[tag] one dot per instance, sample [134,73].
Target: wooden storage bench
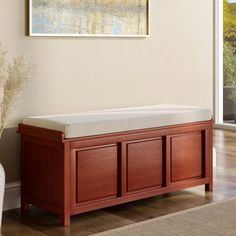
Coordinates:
[76,163]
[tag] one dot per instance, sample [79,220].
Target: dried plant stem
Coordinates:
[13,78]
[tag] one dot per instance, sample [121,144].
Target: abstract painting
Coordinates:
[89,18]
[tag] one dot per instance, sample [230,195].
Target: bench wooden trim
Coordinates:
[53,167]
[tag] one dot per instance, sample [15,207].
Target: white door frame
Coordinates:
[218,67]
[218,29]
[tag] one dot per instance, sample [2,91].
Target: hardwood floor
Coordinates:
[41,223]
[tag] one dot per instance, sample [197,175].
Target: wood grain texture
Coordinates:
[96,173]
[123,171]
[144,164]
[46,134]
[208,172]
[43,174]
[186,157]
[72,176]
[41,222]
[66,190]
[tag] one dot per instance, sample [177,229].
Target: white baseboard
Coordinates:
[225,126]
[12,196]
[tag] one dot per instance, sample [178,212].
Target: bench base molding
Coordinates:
[72,176]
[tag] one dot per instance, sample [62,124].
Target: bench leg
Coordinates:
[24,206]
[209,187]
[65,219]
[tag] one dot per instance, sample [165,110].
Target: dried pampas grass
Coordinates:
[13,78]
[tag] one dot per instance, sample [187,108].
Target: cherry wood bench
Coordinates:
[69,175]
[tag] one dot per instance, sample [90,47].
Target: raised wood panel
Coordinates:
[144,164]
[96,173]
[186,157]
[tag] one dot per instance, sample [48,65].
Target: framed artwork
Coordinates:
[99,18]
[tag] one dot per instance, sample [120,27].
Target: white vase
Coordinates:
[2,189]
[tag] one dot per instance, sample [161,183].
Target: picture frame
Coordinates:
[43,22]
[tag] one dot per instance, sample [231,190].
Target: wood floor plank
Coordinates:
[11,227]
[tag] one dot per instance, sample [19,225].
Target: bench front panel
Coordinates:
[187,156]
[138,166]
[144,164]
[84,174]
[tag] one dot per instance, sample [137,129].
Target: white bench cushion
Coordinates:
[118,120]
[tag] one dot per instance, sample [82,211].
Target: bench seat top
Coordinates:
[118,120]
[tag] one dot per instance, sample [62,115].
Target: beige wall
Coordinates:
[174,65]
